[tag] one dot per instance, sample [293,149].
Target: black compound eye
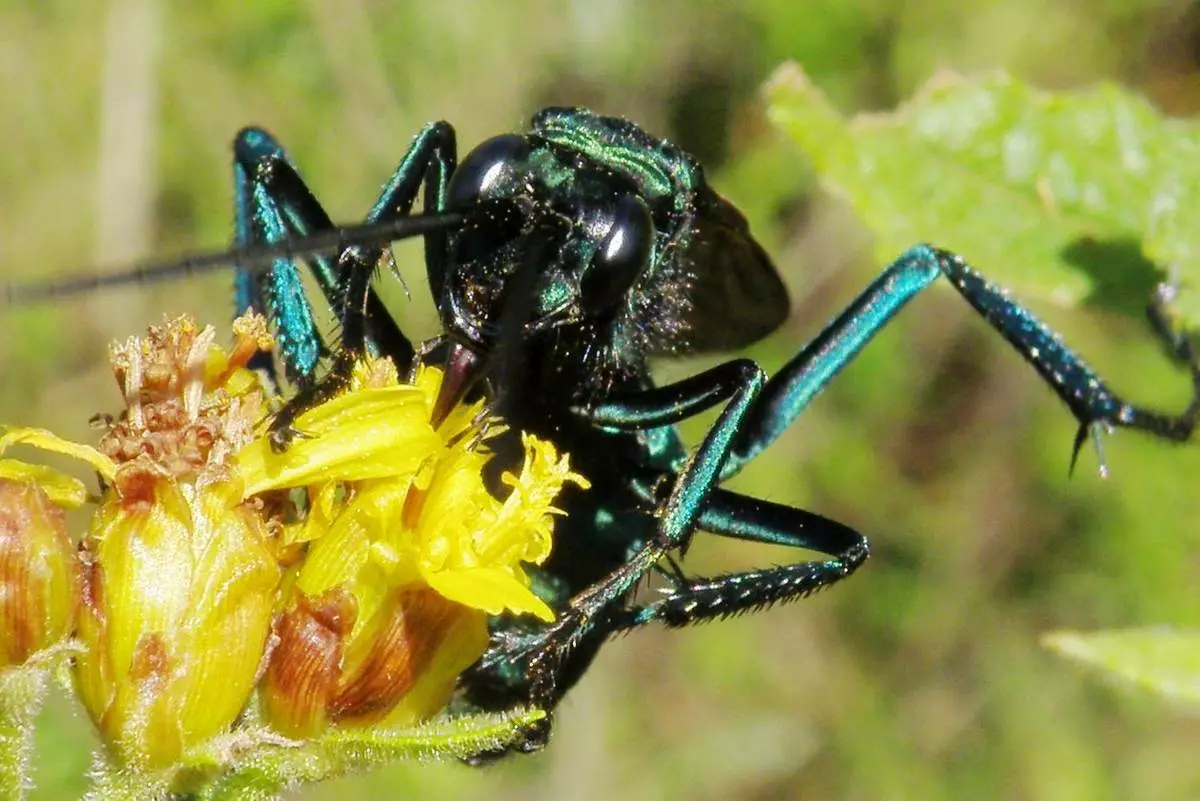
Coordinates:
[485,167]
[621,257]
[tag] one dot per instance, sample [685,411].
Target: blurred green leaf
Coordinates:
[1079,197]
[1162,660]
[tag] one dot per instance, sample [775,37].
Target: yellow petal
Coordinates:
[338,556]
[324,503]
[457,509]
[491,589]
[370,433]
[146,569]
[41,438]
[233,583]
[61,489]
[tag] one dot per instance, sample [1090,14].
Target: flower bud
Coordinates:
[178,596]
[39,574]
[180,575]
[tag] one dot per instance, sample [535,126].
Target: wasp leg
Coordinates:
[1090,400]
[431,160]
[548,658]
[266,217]
[281,205]
[1180,345]
[690,600]
[544,654]
[757,414]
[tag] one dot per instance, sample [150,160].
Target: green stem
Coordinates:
[21,692]
[256,764]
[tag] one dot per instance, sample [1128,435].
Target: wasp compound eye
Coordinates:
[623,253]
[486,169]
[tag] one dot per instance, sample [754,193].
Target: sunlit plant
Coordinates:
[237,617]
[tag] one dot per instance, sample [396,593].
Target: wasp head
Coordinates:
[547,247]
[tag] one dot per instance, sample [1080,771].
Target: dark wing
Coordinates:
[734,295]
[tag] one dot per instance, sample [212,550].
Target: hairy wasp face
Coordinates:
[542,246]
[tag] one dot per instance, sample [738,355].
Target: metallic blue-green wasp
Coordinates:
[560,261]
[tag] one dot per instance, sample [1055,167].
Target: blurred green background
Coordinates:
[922,677]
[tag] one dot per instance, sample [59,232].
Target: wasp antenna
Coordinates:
[254,257]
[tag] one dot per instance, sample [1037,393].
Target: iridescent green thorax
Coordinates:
[662,172]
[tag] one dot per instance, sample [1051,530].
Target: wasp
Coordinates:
[561,260]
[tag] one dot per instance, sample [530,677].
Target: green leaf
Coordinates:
[1162,660]
[1088,196]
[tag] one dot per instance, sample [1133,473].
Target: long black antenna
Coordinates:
[327,242]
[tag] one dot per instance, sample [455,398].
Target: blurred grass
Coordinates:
[920,678]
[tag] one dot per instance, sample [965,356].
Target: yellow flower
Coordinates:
[390,603]
[180,573]
[396,550]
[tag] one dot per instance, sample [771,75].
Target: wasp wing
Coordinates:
[732,294]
